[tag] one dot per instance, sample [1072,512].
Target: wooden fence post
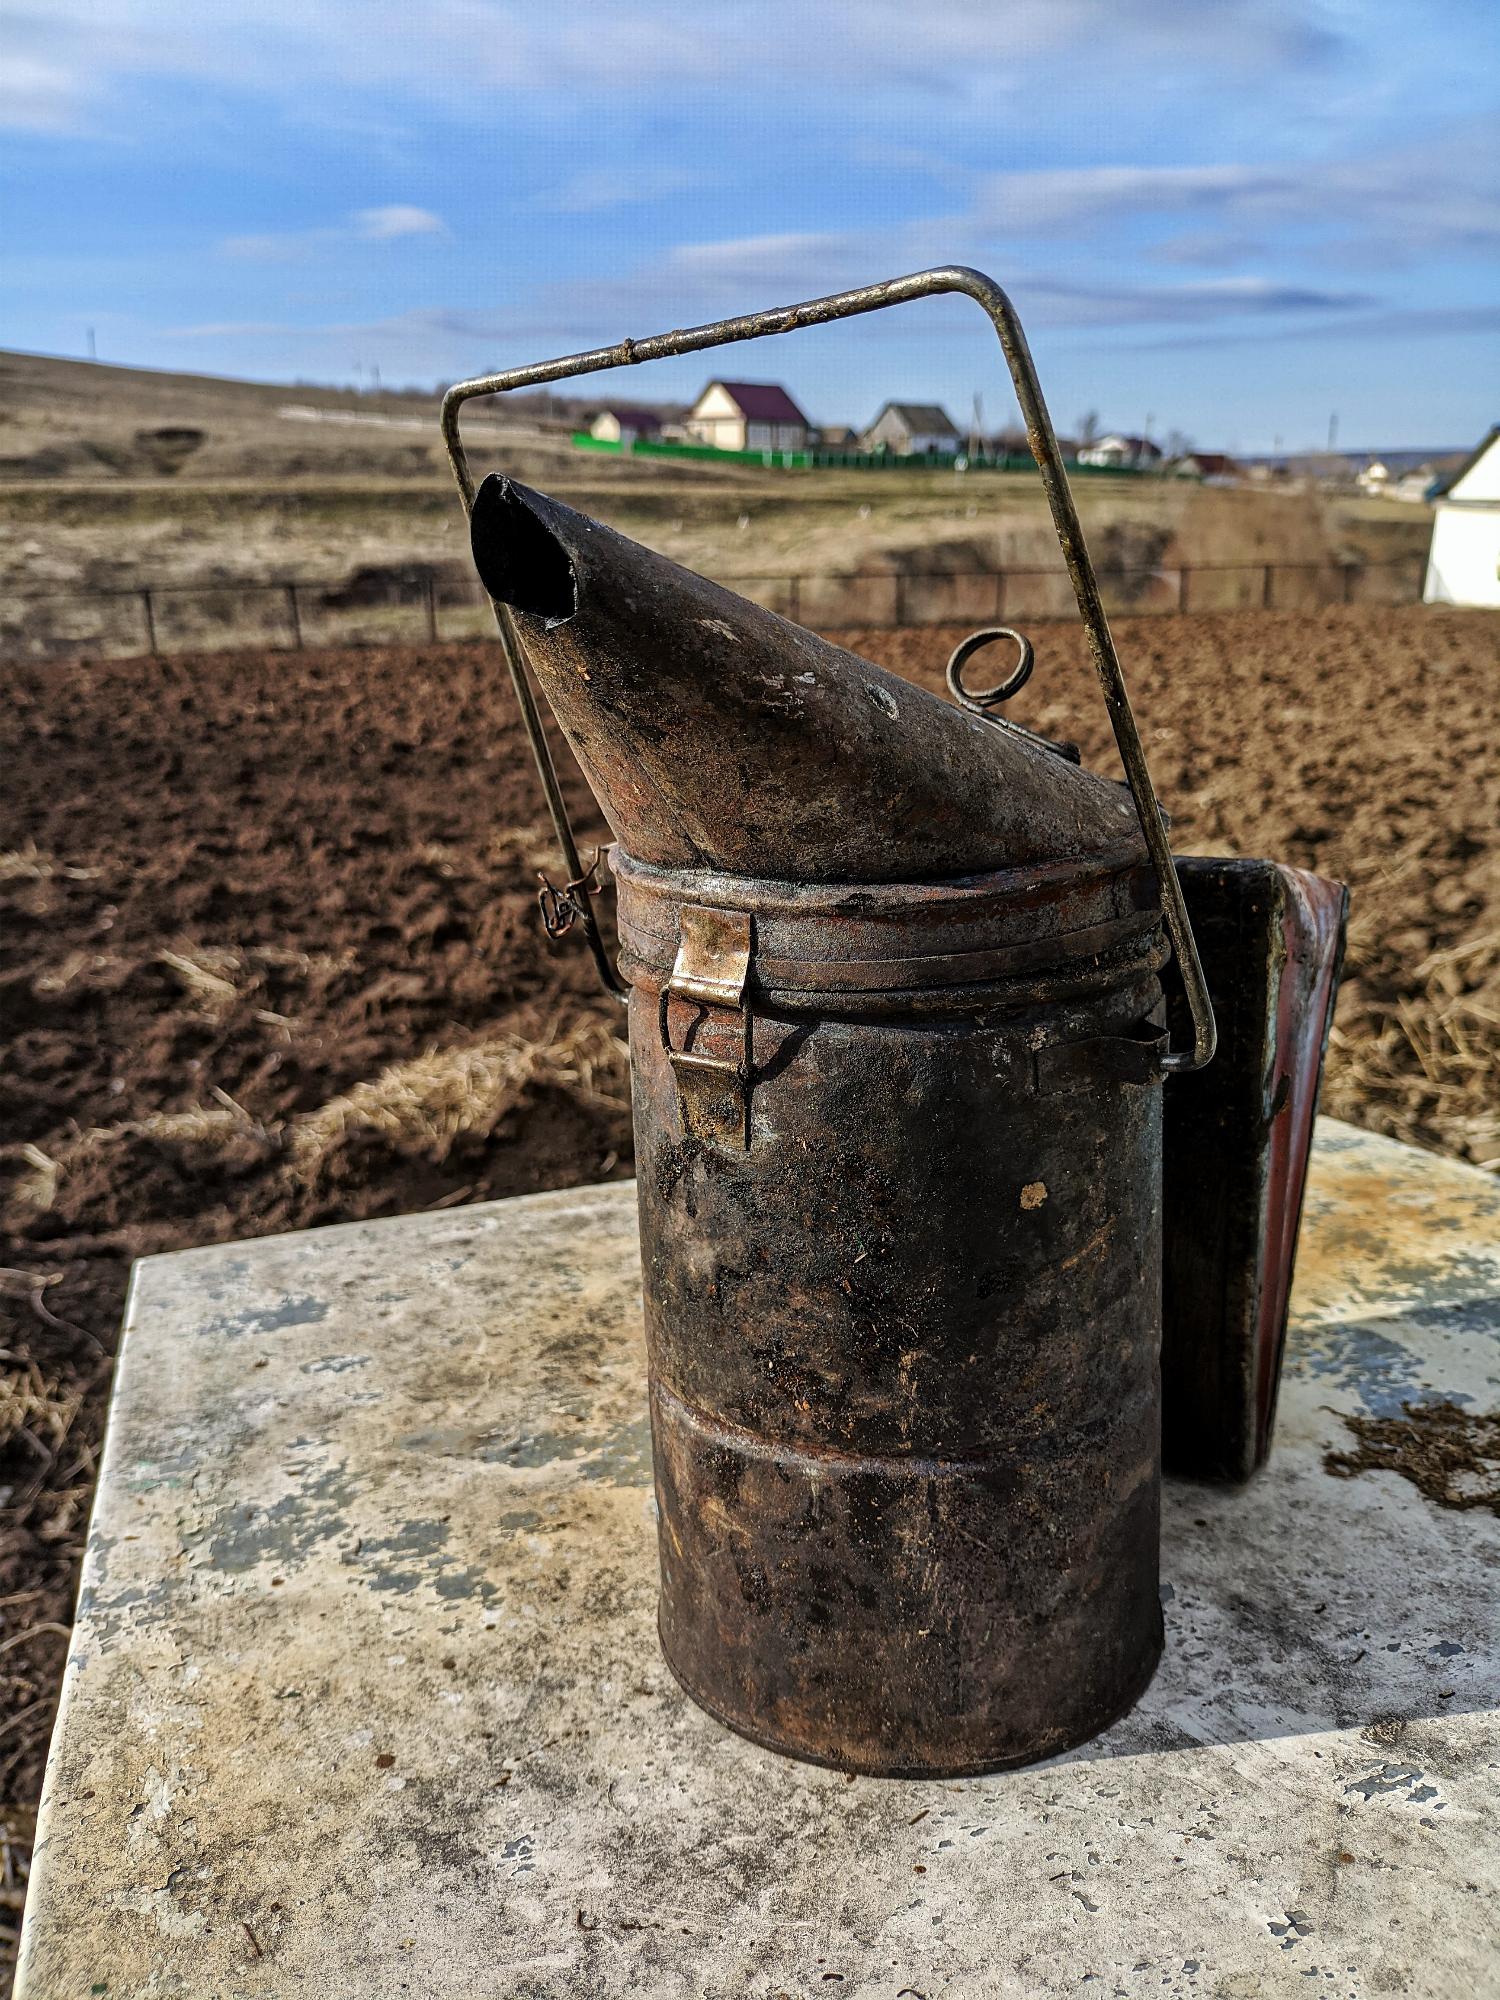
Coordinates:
[1265,587]
[1183,573]
[294,616]
[150,611]
[430,595]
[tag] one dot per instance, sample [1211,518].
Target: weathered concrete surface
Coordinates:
[365,1697]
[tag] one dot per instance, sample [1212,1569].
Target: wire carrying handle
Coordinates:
[953,278]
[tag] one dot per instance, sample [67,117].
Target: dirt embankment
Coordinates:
[270,959]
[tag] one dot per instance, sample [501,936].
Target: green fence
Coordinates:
[817,458]
[788,461]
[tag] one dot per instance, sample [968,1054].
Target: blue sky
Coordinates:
[1232,216]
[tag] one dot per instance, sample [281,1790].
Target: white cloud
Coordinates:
[267,248]
[1377,205]
[1401,323]
[709,280]
[384,225]
[221,329]
[593,190]
[70,58]
[38,94]
[1074,199]
[367,225]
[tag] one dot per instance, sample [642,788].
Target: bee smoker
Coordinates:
[897,1030]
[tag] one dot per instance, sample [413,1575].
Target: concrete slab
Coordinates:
[365,1698]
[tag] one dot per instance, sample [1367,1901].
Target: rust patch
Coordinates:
[1451,1455]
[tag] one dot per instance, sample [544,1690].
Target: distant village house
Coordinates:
[623,423]
[1375,478]
[1215,468]
[1463,566]
[1415,484]
[911,430]
[748,416]
[1119,450]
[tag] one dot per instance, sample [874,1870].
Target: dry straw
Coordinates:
[423,1106]
[433,1101]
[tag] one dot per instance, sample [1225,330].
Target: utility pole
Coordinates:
[93,351]
[1333,432]
[976,434]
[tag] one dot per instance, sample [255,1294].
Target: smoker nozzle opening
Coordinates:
[520,560]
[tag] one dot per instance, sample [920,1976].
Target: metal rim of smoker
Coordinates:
[983,941]
[1042,438]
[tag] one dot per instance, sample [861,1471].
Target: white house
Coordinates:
[748,416]
[1463,564]
[913,430]
[623,423]
[1118,449]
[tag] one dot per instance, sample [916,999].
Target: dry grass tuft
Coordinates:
[304,963]
[433,1101]
[38,1412]
[55,980]
[36,1187]
[201,1126]
[17,1832]
[207,978]
[1416,1049]
[424,1106]
[28,863]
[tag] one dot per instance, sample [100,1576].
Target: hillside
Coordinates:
[113,478]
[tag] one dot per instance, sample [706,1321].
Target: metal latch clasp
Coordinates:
[712,967]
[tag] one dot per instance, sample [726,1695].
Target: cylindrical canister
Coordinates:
[896,1041]
[899,1168]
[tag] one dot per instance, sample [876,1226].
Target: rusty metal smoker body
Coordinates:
[902,1295]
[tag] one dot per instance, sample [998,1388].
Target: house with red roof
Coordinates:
[623,423]
[748,416]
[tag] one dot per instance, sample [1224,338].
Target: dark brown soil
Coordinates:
[236,887]
[1451,1455]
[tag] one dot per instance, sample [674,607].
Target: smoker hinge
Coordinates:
[712,967]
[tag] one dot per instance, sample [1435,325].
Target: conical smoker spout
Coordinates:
[718,735]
